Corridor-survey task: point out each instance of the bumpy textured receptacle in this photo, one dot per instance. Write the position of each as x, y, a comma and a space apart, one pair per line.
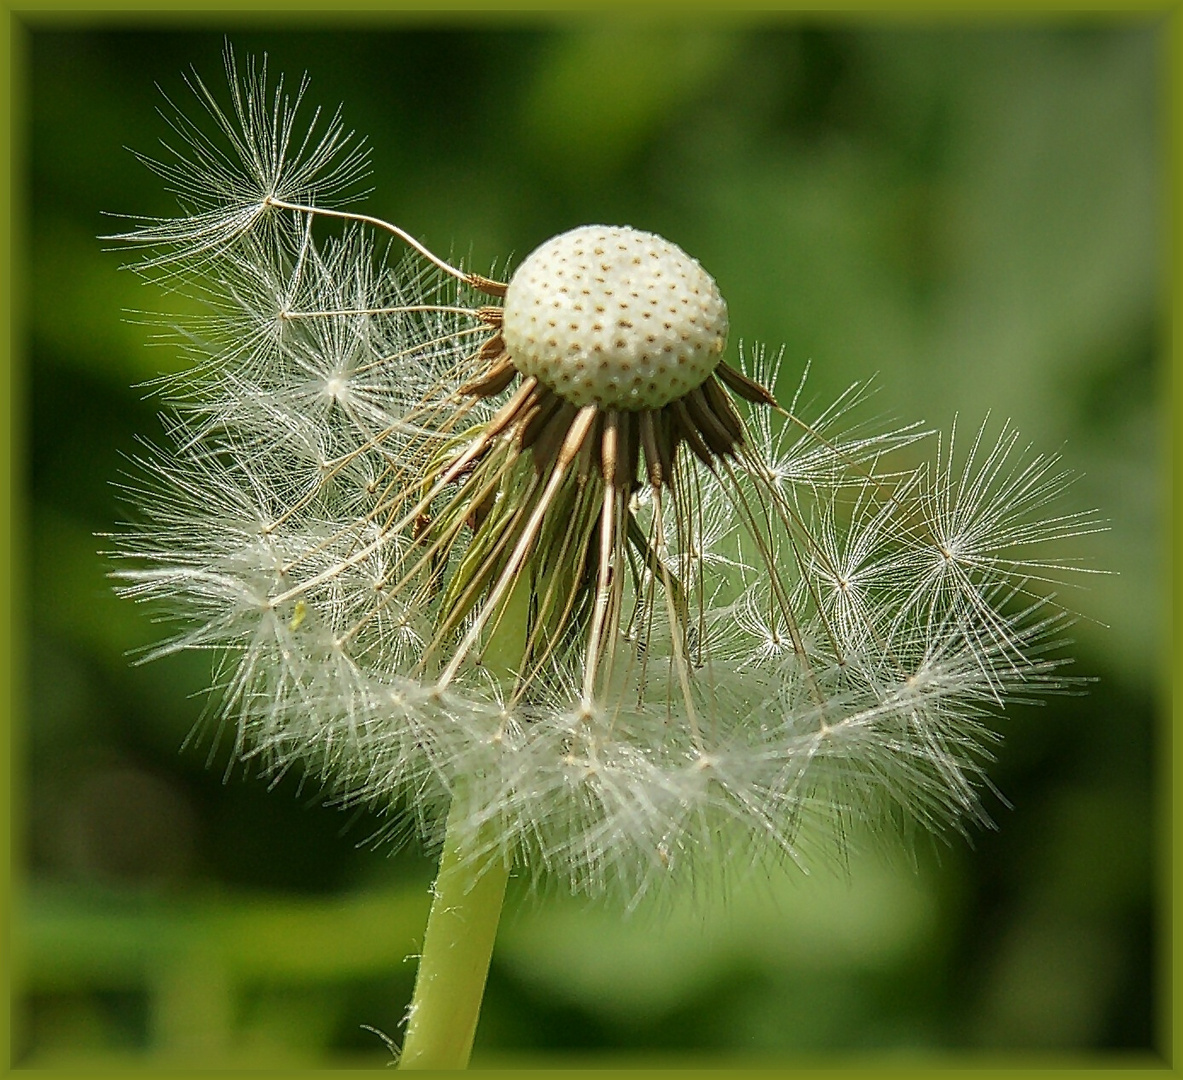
615, 317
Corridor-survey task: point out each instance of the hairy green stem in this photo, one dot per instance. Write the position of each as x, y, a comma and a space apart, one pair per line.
457, 947
467, 898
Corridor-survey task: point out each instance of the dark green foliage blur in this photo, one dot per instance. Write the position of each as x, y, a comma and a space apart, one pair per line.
972, 213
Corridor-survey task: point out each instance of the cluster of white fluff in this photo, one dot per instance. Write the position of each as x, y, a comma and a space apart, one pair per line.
853, 619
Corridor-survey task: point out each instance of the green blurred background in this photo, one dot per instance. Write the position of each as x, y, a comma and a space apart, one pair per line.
974, 212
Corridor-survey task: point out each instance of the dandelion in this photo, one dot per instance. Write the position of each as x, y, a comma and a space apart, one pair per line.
539, 563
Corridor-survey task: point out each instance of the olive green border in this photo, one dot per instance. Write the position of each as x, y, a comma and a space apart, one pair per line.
22, 20
12, 413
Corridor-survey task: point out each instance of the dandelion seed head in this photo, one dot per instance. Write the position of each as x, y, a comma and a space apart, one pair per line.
630, 624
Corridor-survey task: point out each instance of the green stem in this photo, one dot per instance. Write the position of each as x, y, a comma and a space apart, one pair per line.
457, 948
467, 899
